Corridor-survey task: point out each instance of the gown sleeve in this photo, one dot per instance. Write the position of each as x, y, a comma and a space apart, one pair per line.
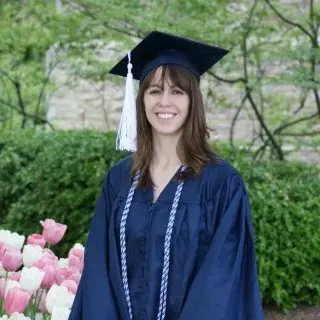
226, 286
94, 298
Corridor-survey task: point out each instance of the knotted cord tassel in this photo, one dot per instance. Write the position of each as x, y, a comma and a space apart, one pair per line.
127, 132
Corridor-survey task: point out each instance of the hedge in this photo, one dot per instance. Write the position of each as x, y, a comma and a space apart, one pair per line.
59, 175
56, 175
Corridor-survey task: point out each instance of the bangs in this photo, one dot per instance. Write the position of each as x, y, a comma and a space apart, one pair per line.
176, 75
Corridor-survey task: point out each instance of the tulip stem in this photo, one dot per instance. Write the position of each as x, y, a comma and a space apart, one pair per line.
37, 303
2, 302
29, 310
45, 316
1, 308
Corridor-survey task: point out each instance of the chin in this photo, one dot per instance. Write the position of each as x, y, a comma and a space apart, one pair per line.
168, 131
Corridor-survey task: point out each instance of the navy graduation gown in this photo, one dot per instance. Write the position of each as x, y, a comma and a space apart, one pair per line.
213, 273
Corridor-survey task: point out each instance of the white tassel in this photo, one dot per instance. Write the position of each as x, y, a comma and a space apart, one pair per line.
127, 132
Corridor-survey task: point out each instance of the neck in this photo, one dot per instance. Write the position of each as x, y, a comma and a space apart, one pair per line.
165, 152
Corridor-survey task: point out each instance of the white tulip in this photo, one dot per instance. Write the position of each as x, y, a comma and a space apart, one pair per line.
17, 241
60, 313
30, 254
18, 316
2, 272
31, 278
5, 235
78, 246
12, 239
4, 317
59, 296
63, 263
11, 284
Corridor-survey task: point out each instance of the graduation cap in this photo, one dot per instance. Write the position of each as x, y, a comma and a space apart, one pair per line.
155, 50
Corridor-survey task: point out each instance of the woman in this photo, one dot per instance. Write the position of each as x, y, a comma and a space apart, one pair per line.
172, 234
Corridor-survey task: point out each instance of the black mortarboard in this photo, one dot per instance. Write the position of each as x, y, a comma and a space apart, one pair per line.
160, 48
155, 50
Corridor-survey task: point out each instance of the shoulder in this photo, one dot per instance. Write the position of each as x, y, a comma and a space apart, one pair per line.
219, 172
119, 173
122, 166
219, 177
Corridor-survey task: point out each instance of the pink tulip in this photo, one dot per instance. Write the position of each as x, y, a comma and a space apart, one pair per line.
48, 263
36, 239
2, 287
47, 259
62, 274
12, 260
49, 277
71, 285
52, 231
49, 251
50, 254
3, 249
76, 276
75, 258
15, 276
16, 300
70, 273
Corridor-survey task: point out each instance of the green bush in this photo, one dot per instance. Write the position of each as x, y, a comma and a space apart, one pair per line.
59, 175
56, 175
286, 208
285, 200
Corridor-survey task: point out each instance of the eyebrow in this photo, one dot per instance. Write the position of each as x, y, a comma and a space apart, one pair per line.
158, 86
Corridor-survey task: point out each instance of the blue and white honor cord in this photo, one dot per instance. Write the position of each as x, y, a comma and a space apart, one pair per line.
167, 246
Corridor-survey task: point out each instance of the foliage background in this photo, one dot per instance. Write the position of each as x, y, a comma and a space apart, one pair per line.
272, 71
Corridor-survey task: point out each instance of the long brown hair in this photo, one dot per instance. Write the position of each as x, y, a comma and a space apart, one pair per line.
193, 148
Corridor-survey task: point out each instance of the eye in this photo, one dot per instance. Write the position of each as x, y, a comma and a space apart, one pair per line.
154, 92
177, 91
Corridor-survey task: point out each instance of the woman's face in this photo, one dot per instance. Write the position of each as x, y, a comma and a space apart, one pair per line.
166, 106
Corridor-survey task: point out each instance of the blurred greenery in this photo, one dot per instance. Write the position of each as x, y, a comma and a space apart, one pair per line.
271, 45
58, 175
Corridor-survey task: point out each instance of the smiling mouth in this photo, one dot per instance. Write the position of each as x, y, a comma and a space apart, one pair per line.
162, 115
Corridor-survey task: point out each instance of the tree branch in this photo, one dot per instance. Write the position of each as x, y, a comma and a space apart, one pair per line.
85, 10
231, 81
261, 149
248, 89
278, 130
302, 102
5, 86
234, 119
314, 27
289, 124
21, 103
317, 99
17, 87
301, 134
264, 126
45, 82
283, 18
26, 114
6, 74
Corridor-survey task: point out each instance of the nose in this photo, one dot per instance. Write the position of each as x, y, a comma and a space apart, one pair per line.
165, 99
